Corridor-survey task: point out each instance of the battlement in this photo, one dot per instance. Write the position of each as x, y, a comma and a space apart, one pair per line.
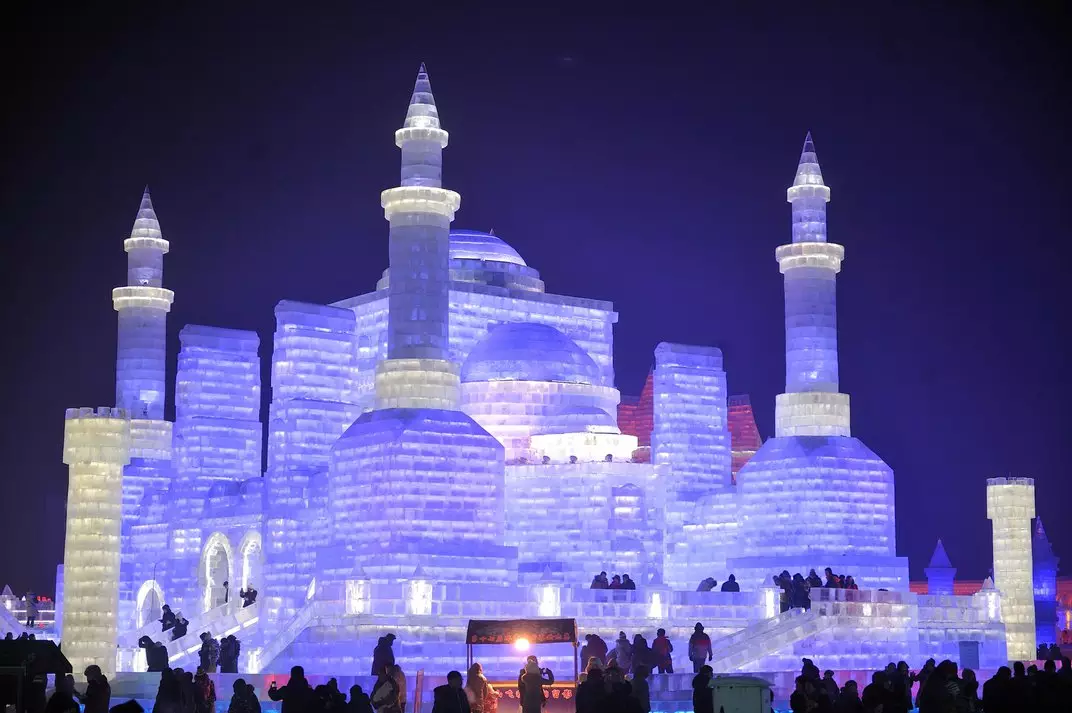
99, 412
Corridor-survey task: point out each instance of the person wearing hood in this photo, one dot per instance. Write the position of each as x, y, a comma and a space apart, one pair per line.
730, 585
243, 701
532, 683
623, 653
703, 701
98, 695
595, 647
383, 656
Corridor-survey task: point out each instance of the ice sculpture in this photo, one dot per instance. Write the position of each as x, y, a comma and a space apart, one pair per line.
813, 496
96, 446
940, 572
1010, 505
1044, 563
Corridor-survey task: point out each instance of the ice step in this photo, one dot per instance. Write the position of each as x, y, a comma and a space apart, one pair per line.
767, 637
227, 620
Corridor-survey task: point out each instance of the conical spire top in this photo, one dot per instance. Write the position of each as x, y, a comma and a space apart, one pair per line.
1040, 544
1040, 531
940, 560
422, 112
808, 171
146, 224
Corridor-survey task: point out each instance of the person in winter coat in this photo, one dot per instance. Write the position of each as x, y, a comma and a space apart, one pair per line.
699, 648
359, 701
595, 647
482, 697
641, 655
209, 653
297, 695
383, 655
730, 585
385, 693
623, 653
532, 683
450, 698
641, 691
592, 693
848, 701
62, 700
702, 699
98, 695
167, 618
661, 650
230, 648
206, 692
400, 678
243, 701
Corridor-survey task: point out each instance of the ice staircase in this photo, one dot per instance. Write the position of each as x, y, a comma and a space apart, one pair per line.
9, 624
257, 658
229, 619
198, 621
752, 643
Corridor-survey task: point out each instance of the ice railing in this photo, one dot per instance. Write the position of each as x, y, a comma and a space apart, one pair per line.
227, 622
261, 656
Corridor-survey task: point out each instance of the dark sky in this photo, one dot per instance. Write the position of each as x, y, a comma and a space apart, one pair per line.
638, 159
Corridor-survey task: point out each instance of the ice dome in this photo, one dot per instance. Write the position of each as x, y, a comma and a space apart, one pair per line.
474, 245
576, 419
525, 351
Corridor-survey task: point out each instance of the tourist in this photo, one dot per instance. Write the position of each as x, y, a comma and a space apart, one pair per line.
627, 582
802, 700
813, 579
597, 647
230, 648
706, 585
622, 654
385, 694
615, 582
832, 689
641, 654
156, 656
941, 691
296, 695
800, 593
383, 656
661, 650
359, 701
703, 700
592, 693
969, 686
248, 596
730, 585
450, 698
641, 690
333, 698
98, 695
831, 582
531, 689
620, 698
62, 700
600, 581
699, 648
189, 691
31, 610
400, 678
206, 692
181, 624
482, 697
209, 653
848, 701
242, 701
850, 583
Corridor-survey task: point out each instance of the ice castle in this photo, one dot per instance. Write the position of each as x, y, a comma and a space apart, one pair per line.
447, 447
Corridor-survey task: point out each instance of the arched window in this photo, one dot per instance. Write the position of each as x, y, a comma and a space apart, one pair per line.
215, 569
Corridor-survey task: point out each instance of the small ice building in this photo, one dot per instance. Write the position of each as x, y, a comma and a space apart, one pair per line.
447, 447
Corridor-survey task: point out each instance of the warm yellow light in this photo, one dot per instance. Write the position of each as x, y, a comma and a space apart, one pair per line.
521, 644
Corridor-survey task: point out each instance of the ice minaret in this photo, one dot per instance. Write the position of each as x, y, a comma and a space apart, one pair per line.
1010, 505
96, 446
1044, 566
814, 495
940, 572
416, 482
143, 305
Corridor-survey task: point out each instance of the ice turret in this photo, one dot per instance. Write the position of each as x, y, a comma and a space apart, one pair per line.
1044, 565
940, 572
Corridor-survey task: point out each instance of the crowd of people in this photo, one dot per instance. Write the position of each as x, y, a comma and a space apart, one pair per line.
709, 584
631, 657
1048, 651
796, 588
174, 622
623, 581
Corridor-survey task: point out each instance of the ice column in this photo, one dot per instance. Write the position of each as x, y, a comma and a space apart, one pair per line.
417, 372
940, 572
811, 405
1010, 505
96, 446
1044, 563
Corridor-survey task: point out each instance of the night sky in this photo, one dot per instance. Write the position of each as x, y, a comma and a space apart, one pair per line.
638, 159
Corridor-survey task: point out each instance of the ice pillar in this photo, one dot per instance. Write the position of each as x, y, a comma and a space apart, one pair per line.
1010, 505
417, 372
96, 446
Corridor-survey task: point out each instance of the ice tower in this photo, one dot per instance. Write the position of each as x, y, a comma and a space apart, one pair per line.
1010, 505
814, 496
940, 572
416, 482
140, 386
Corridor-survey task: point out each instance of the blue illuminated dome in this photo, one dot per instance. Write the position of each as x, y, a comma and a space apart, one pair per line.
524, 351
474, 245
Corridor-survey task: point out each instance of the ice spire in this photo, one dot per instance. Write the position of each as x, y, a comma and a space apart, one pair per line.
940, 558
1040, 542
146, 224
422, 112
809, 196
940, 572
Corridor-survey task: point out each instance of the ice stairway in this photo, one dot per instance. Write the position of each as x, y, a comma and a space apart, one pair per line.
229, 619
752, 643
256, 659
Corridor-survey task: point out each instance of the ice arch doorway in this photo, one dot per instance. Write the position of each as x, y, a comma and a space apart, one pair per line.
250, 559
215, 569
148, 603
